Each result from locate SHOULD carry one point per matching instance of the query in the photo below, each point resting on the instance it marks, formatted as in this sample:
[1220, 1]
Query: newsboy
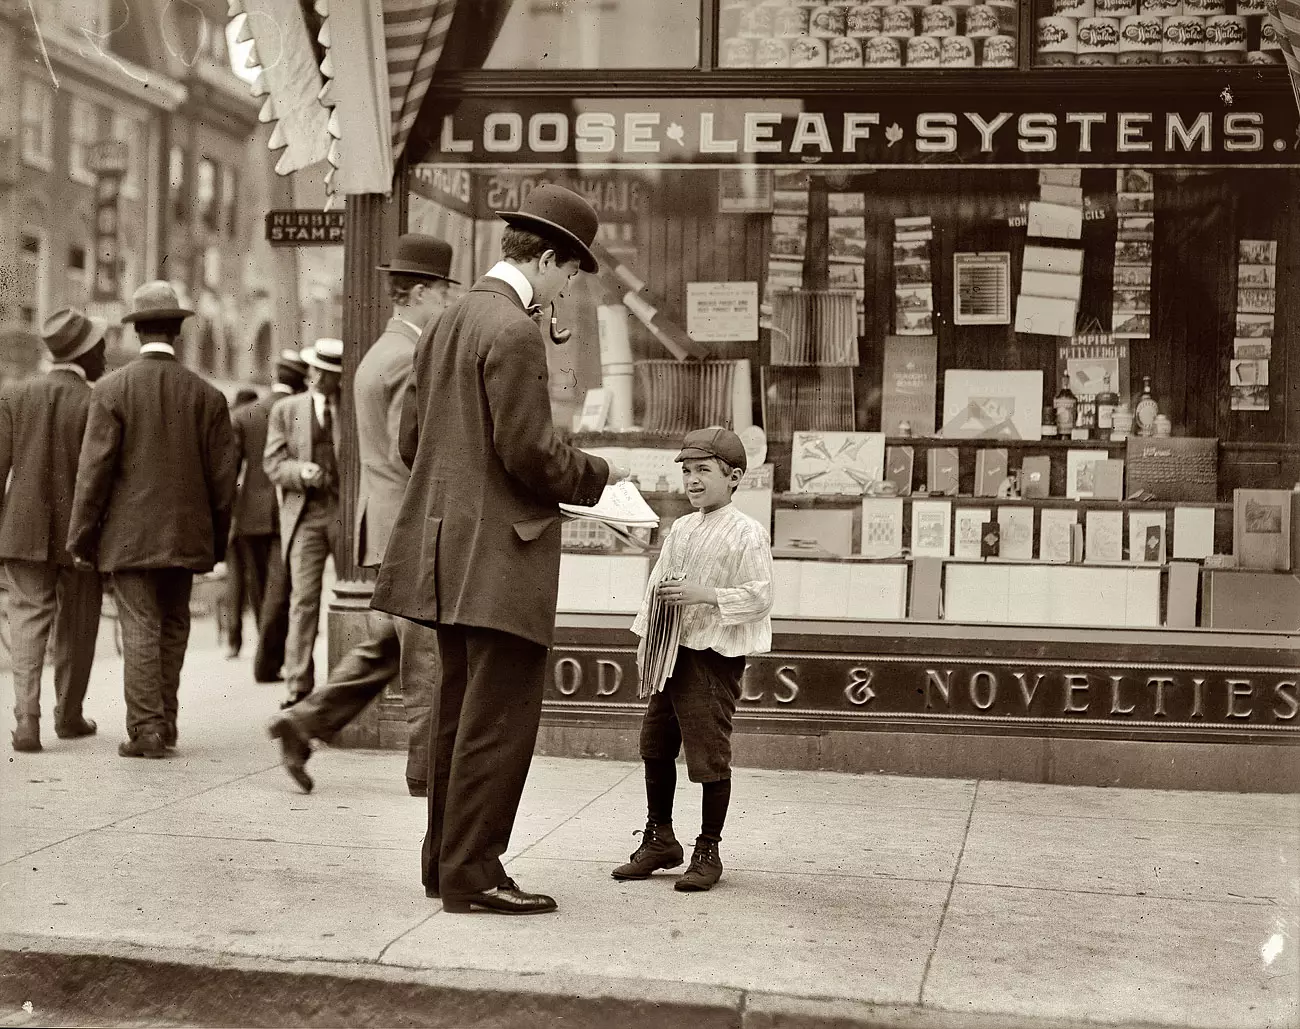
[476, 546]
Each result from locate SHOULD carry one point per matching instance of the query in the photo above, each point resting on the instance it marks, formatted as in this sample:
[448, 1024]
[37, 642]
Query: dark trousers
[395, 647]
[153, 605]
[246, 571]
[273, 618]
[485, 717]
[44, 596]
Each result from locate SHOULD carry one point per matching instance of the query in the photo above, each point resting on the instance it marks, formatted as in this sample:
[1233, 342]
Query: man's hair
[169, 327]
[401, 286]
[522, 245]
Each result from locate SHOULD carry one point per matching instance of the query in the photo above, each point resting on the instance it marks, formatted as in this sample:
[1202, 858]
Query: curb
[70, 982]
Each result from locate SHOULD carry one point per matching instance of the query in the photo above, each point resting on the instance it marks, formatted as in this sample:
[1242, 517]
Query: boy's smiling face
[708, 483]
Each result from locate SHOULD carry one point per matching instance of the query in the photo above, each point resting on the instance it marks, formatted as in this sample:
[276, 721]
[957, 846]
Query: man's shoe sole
[687, 887]
[457, 906]
[637, 878]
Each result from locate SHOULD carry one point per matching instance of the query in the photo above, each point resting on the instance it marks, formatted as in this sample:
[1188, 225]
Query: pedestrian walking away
[155, 488]
[716, 567]
[418, 279]
[475, 549]
[301, 458]
[244, 578]
[42, 422]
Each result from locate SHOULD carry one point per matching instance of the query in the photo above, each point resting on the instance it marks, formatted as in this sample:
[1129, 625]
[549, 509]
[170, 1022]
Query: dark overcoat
[255, 505]
[41, 425]
[477, 539]
[156, 481]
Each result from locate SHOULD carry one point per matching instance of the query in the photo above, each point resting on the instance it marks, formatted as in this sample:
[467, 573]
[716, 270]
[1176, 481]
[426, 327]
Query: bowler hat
[291, 360]
[326, 354]
[715, 441]
[156, 302]
[559, 214]
[425, 256]
[68, 334]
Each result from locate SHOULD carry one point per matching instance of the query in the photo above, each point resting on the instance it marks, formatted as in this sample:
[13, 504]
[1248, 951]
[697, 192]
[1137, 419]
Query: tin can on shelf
[998, 52]
[758, 22]
[1221, 57]
[938, 20]
[1268, 36]
[1098, 60]
[1099, 36]
[1074, 8]
[1162, 8]
[882, 52]
[1116, 8]
[737, 52]
[1244, 7]
[1183, 34]
[1226, 32]
[790, 22]
[923, 52]
[983, 21]
[844, 52]
[898, 22]
[1057, 35]
[1140, 33]
[807, 53]
[1264, 57]
[957, 52]
[827, 22]
[1205, 8]
[863, 21]
[772, 53]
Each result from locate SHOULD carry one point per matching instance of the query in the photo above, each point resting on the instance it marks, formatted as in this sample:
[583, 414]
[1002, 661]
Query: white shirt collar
[513, 277]
[409, 324]
[158, 348]
[318, 401]
[280, 387]
[69, 366]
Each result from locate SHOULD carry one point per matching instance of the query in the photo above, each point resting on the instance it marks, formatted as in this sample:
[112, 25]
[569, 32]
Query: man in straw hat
[475, 550]
[155, 487]
[418, 280]
[301, 457]
[41, 424]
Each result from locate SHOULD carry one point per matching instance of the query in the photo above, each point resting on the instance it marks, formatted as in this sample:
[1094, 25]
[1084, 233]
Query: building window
[79, 16]
[38, 124]
[84, 134]
[176, 183]
[31, 277]
[78, 274]
[229, 200]
[127, 130]
[212, 268]
[206, 192]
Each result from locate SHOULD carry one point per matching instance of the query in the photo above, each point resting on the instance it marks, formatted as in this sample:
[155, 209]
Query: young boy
[716, 564]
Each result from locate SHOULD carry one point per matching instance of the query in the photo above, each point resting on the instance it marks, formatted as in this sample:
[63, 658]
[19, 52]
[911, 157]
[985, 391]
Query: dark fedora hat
[418, 254]
[67, 334]
[559, 214]
[156, 302]
[292, 361]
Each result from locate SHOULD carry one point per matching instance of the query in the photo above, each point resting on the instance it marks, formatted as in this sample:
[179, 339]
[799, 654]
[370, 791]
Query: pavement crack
[947, 900]
[600, 796]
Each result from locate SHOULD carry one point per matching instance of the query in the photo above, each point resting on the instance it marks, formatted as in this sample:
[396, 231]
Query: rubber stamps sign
[839, 687]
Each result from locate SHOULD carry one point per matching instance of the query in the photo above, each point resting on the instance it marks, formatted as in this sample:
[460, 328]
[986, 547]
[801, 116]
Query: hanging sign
[107, 284]
[304, 228]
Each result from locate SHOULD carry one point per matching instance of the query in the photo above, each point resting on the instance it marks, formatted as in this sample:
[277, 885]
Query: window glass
[176, 182]
[576, 34]
[31, 278]
[127, 130]
[78, 278]
[206, 192]
[229, 199]
[83, 134]
[38, 124]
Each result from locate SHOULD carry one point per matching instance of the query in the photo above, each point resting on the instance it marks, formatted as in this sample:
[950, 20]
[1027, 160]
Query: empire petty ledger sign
[1033, 129]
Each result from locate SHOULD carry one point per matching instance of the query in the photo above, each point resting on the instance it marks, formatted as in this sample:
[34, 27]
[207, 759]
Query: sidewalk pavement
[206, 890]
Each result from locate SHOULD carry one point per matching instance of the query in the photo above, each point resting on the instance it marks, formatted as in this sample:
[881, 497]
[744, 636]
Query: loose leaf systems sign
[304, 228]
[1257, 127]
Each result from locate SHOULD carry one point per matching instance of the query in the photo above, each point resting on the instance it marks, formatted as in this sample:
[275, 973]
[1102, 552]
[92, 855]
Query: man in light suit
[301, 457]
[418, 278]
[42, 421]
[476, 547]
[155, 486]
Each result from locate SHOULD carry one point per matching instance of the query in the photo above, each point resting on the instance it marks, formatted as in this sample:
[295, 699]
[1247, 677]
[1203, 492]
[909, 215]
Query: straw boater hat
[556, 213]
[156, 302]
[291, 360]
[67, 334]
[326, 354]
[423, 256]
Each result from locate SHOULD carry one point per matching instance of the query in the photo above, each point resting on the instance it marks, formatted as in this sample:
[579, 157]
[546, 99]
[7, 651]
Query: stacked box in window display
[1099, 33]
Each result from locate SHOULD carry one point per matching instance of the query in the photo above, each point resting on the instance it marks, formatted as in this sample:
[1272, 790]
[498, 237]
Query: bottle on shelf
[1065, 406]
[1107, 401]
[1146, 409]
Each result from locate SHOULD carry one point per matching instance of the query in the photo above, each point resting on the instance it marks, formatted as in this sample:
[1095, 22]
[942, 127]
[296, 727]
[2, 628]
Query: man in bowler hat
[41, 424]
[301, 458]
[475, 550]
[418, 278]
[155, 487]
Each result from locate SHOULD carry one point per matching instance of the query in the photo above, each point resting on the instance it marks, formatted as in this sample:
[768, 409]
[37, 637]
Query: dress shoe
[27, 737]
[147, 744]
[169, 736]
[417, 788]
[705, 870]
[432, 891]
[659, 849]
[286, 704]
[295, 749]
[75, 729]
[506, 899]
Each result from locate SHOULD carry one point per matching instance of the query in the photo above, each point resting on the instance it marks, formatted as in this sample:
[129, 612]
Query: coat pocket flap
[531, 528]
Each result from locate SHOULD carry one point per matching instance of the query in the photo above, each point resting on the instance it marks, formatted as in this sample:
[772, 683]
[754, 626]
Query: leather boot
[73, 730]
[659, 849]
[705, 870]
[27, 737]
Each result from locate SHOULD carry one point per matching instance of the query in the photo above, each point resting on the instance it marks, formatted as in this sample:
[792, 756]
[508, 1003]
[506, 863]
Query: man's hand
[618, 471]
[81, 564]
[687, 593]
[311, 473]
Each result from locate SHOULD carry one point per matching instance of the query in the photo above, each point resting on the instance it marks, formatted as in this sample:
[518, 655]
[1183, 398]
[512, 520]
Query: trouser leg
[233, 596]
[76, 627]
[308, 552]
[273, 617]
[33, 601]
[419, 674]
[444, 721]
[356, 681]
[174, 596]
[139, 612]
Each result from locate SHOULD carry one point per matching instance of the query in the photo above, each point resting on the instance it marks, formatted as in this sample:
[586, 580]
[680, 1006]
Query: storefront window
[760, 34]
[574, 34]
[1105, 33]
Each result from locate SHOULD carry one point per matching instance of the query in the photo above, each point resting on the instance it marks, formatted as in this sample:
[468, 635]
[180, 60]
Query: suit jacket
[41, 424]
[477, 538]
[156, 481]
[256, 504]
[288, 447]
[379, 388]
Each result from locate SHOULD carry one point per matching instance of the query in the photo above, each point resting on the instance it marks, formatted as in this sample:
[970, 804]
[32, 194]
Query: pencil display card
[1193, 532]
[968, 527]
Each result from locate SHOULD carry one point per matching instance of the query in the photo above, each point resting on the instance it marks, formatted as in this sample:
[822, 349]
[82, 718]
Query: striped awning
[1284, 15]
[415, 31]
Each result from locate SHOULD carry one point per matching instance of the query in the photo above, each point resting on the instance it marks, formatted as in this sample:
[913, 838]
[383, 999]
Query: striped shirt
[728, 550]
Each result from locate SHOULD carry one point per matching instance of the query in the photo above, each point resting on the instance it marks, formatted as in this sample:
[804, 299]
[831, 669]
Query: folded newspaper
[656, 655]
[620, 505]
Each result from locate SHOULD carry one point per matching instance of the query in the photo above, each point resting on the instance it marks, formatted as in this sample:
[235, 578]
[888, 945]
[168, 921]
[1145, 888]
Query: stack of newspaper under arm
[656, 657]
[620, 508]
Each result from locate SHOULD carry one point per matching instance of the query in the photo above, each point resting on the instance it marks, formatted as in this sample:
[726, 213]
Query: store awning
[357, 106]
[1285, 16]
